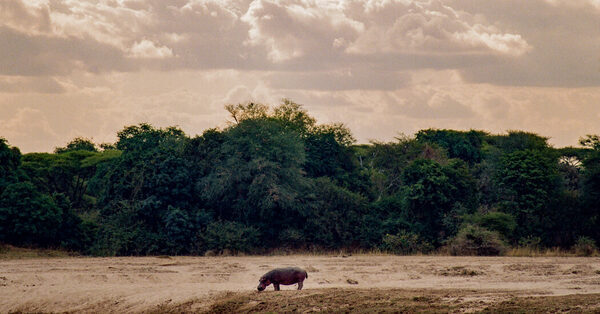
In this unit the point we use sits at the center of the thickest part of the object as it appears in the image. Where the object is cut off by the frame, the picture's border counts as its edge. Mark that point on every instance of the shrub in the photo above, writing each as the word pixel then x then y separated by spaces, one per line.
pixel 28 217
pixel 232 236
pixel 405 243
pixel 532 243
pixel 291 237
pixel 585 246
pixel 503 223
pixel 475 240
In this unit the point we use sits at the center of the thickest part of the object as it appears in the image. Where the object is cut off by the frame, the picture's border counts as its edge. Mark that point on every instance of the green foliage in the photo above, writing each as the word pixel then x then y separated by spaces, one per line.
pixel 436 191
pixel 28 217
pixel 463 145
pixel 258 175
pixel 385 163
pixel 475 240
pixel 387 215
pixel 67 173
pixel 229 235
pixel 519 141
pixel 405 243
pixel 146 138
pixel 251 110
pixel 78 143
pixel 145 195
pixel 500 222
pixel 528 182
pixel 585 246
pixel 274 177
pixel 591 187
pixel 333 215
pixel 10 160
pixel 590 141
pixel 530 242
pixel 292 237
pixel 179 229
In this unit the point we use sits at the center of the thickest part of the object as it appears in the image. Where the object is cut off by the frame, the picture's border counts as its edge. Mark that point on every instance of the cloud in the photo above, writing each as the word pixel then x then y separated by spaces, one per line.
pixel 564 36
pixel 32 55
pixel 432 28
pixel 429 104
pixel 295 29
pixel 19 128
pixel 381 66
pixel 351 78
pixel 508 43
pixel 46 85
pixel 30 19
pixel 148 49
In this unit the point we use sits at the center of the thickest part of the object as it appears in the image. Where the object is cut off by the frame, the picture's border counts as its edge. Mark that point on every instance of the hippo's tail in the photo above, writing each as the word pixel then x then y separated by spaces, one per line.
pixel 305 274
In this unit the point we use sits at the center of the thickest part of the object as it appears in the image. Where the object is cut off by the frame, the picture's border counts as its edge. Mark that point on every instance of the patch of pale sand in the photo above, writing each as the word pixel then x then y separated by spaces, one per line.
pixel 136 284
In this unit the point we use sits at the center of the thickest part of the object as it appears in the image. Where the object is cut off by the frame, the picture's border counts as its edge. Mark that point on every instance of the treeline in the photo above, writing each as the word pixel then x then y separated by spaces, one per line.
pixel 275 178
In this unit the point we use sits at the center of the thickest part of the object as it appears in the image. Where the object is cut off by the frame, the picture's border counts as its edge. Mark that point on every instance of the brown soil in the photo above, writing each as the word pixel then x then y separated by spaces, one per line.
pixel 359 283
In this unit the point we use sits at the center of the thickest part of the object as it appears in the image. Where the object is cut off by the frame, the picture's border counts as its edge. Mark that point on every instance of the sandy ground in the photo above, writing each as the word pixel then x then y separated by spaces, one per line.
pixel 136 284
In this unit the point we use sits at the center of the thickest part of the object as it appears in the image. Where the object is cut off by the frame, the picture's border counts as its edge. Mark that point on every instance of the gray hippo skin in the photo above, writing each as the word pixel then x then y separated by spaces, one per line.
pixel 283 276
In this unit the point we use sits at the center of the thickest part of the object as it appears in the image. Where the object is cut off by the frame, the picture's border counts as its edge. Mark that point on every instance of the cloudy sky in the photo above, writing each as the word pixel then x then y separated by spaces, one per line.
pixel 87 68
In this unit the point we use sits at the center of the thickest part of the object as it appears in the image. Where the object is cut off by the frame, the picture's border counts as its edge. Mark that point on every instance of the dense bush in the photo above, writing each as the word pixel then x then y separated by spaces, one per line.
pixel 474 240
pixel 585 246
pixel 231 236
pixel 405 243
pixel 500 222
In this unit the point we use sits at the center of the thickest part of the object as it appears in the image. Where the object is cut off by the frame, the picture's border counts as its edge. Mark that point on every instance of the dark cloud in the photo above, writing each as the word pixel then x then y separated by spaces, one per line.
pixel 32 55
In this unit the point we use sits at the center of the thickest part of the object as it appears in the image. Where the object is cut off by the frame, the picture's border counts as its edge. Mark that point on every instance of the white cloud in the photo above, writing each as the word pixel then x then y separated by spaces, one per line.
pixel 148 49
pixel 577 3
pixel 430 27
pixel 294 29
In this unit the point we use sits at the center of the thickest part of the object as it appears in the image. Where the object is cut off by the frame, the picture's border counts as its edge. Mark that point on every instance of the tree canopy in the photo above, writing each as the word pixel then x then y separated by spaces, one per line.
pixel 274 178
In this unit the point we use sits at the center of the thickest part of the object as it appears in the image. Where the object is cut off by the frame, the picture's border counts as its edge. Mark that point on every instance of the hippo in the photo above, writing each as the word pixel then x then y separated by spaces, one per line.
pixel 283 276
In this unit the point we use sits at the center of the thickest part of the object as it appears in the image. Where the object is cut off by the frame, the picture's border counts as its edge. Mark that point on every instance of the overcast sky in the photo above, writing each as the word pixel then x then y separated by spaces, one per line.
pixel 87 68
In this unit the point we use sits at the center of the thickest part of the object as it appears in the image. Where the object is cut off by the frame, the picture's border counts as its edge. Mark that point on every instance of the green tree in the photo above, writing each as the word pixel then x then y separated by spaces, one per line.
pixel 28 217
pixel 385 163
pixel 10 160
pixel 146 194
pixel 518 141
pixel 591 186
pixel 258 176
pixel 464 145
pixel 67 173
pixel 78 143
pixel 528 182
pixel 333 215
pixel 436 194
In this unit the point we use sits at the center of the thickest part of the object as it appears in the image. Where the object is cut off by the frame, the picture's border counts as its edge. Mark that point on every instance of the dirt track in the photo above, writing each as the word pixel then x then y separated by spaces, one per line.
pixel 159 283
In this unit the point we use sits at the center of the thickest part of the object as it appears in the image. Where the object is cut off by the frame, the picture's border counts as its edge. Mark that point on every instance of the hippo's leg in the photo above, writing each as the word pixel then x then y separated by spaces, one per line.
pixel 300 285
pixel 276 285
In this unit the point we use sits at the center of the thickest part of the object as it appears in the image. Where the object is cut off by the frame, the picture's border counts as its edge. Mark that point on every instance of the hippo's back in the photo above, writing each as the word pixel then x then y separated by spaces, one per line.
pixel 287 275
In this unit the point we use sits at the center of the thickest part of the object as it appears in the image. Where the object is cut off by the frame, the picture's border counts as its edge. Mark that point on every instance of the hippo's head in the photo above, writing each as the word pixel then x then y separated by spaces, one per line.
pixel 263 283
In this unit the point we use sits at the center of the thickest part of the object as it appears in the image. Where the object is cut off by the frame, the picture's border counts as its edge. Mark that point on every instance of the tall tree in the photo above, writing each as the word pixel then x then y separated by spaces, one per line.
pixel 591 185
pixel 259 175
pixel 529 181
pixel 10 160
pixel 78 143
